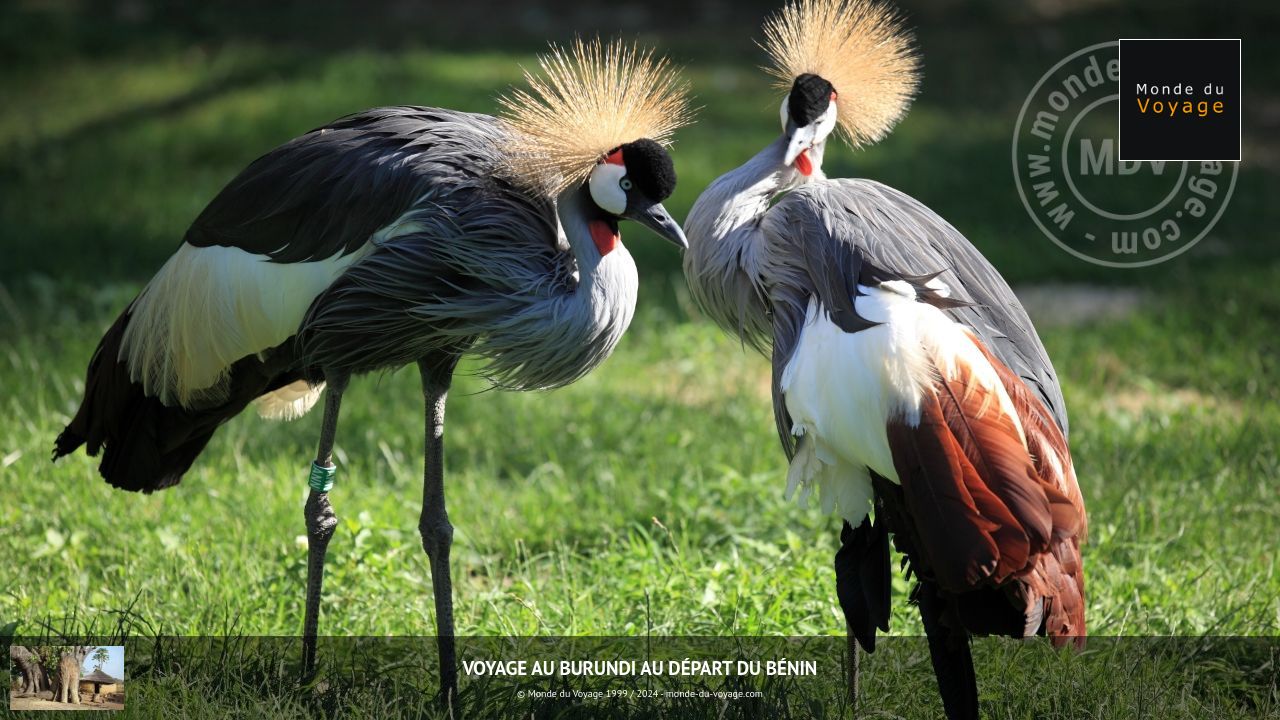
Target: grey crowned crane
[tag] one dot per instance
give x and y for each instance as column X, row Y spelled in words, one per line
column 395, row 235
column 910, row 389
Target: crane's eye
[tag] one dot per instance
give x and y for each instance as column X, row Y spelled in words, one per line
column 625, row 183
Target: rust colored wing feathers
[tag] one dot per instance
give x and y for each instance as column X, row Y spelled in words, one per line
column 993, row 446
column 1048, row 450
column 954, row 534
column 992, row 509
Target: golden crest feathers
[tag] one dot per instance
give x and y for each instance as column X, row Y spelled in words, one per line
column 860, row 47
column 589, row 99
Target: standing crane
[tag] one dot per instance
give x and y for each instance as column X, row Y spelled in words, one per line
column 907, row 378
column 395, row 235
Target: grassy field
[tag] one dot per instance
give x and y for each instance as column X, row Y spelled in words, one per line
column 645, row 499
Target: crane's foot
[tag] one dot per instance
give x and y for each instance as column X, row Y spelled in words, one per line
column 321, row 522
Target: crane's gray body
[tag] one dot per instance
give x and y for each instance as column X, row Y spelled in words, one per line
column 755, row 260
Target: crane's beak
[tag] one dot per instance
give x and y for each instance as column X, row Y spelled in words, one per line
column 656, row 218
column 798, row 144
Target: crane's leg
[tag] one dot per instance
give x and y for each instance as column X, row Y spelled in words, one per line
column 862, row 585
column 320, row 518
column 433, row 524
column 952, row 660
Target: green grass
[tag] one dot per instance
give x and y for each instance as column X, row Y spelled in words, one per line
column 645, row 499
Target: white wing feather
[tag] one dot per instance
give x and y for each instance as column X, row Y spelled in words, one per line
column 211, row 306
column 842, row 389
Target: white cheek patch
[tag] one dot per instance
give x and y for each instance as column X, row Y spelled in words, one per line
column 826, row 123
column 783, row 113
column 605, row 188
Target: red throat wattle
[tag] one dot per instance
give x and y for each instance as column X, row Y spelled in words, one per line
column 605, row 236
column 804, row 164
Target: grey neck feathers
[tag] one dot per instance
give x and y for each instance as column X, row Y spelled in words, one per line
column 726, row 245
column 608, row 285
column 561, row 337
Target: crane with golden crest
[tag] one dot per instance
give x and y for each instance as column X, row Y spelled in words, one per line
column 392, row 236
column 911, row 392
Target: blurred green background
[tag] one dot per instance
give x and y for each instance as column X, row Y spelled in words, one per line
column 647, row 497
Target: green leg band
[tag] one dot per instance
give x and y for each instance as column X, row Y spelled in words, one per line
column 321, row 479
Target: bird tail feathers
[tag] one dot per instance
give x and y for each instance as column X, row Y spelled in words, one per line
column 145, row 444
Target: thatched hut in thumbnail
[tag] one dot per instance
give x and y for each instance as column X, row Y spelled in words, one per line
column 99, row 684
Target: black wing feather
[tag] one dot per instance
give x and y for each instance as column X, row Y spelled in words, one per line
column 862, row 580
column 326, row 192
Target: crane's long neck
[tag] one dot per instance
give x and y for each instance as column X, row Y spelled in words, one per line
column 592, row 319
column 726, row 244
column 608, row 281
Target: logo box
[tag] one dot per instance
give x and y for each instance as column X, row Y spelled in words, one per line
column 1180, row 99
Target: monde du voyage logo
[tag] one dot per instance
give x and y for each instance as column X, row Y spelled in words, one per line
column 1125, row 154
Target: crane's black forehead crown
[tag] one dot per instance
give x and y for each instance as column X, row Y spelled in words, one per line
column 649, row 166
column 810, row 95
